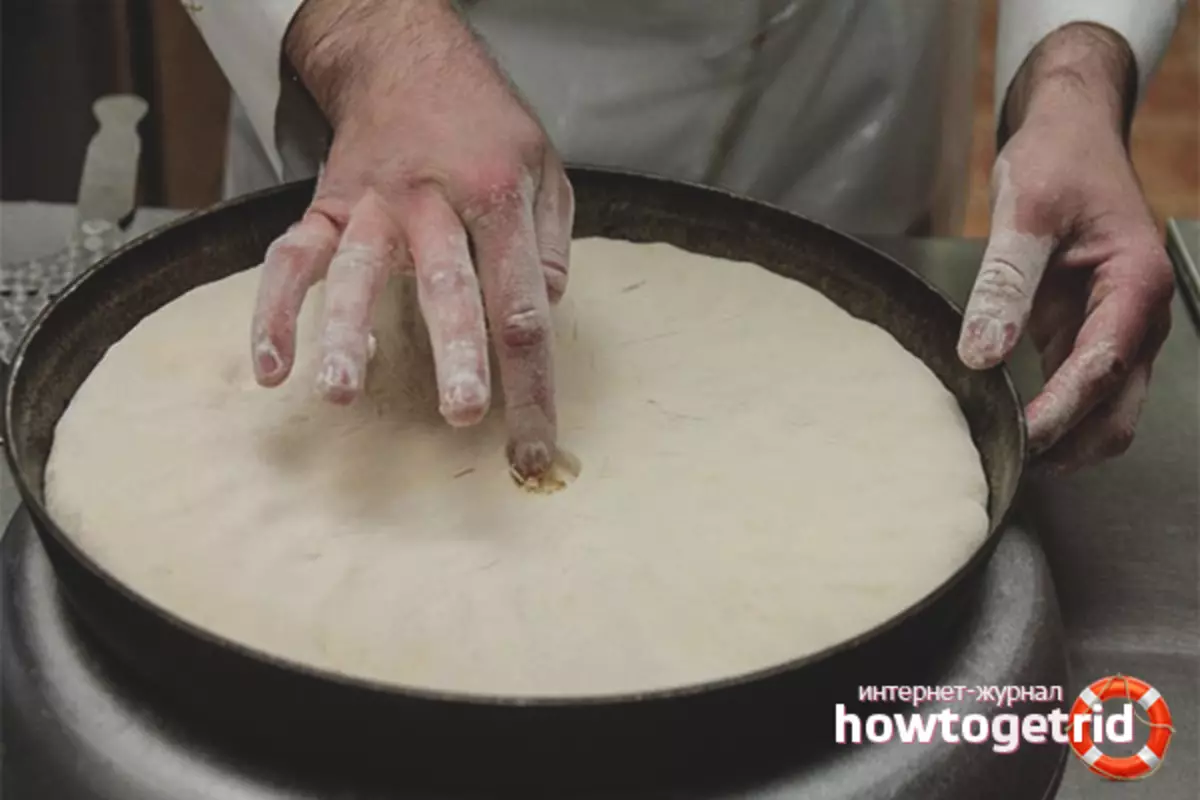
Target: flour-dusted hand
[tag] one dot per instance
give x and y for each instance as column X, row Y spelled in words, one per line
column 436, row 166
column 1074, row 254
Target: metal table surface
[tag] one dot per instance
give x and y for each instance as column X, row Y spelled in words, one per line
column 1122, row 539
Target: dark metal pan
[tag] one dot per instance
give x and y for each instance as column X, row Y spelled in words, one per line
column 290, row 709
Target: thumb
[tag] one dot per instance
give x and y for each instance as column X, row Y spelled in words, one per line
column 1013, row 265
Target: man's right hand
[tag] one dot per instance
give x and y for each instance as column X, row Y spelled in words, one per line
column 434, row 158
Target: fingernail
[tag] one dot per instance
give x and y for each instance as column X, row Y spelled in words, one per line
column 465, row 401
column 985, row 341
column 1045, row 423
column 339, row 380
column 530, row 459
column 267, row 359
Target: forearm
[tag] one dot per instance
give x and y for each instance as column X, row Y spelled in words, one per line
column 340, row 49
column 1081, row 72
column 1143, row 26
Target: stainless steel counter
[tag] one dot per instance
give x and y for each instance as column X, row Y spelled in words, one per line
column 1122, row 538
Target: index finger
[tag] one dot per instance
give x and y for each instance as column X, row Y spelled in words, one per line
column 1099, row 363
column 518, row 311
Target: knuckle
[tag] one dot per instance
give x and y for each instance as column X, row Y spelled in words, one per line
column 353, row 259
column 287, row 250
column 329, row 208
column 1002, row 279
column 1160, row 277
column 1111, row 367
column 500, row 186
column 446, row 278
column 555, row 254
column 525, row 328
column 530, row 141
column 496, row 185
column 1152, row 267
column 302, row 242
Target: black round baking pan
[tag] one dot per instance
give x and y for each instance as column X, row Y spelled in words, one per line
column 298, row 711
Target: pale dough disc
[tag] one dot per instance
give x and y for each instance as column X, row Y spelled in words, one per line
column 763, row 476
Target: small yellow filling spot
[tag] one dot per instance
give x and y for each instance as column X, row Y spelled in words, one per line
column 564, row 469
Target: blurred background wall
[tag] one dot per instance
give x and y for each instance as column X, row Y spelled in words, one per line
column 58, row 55
column 1166, row 132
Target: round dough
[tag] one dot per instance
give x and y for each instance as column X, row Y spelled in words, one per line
column 762, row 476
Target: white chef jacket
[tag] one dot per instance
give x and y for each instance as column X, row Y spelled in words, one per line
column 856, row 113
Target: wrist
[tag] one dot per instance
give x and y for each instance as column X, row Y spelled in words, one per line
column 341, row 51
column 1081, row 74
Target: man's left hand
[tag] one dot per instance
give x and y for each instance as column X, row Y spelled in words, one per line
column 1074, row 254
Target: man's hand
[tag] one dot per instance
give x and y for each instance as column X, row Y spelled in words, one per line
column 1074, row 252
column 434, row 160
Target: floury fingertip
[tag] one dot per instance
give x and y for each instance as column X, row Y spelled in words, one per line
column 267, row 362
column 986, row 341
column 339, row 380
column 465, row 401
